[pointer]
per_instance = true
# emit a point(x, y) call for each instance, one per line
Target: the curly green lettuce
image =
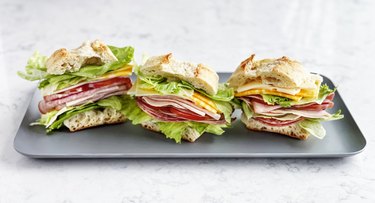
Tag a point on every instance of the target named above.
point(274, 100)
point(314, 126)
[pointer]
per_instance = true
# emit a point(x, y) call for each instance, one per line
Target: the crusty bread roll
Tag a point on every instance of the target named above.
point(282, 72)
point(89, 53)
point(94, 118)
point(200, 76)
point(190, 134)
point(293, 130)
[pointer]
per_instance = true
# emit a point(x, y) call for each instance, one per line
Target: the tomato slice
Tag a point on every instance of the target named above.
point(108, 82)
point(186, 114)
point(89, 86)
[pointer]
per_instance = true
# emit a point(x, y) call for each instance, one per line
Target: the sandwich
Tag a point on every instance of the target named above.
point(279, 96)
point(182, 100)
point(82, 87)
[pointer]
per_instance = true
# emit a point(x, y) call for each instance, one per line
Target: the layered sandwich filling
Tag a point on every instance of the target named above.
point(87, 92)
point(176, 109)
point(175, 105)
point(280, 107)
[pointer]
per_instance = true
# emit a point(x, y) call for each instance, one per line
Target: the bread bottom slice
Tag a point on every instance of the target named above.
point(293, 130)
point(189, 135)
point(94, 118)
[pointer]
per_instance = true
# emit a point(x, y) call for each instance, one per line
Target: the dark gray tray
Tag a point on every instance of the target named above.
point(127, 141)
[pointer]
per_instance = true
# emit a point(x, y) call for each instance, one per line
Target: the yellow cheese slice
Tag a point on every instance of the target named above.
point(205, 102)
point(310, 93)
point(122, 72)
point(259, 85)
point(135, 90)
point(146, 92)
point(271, 92)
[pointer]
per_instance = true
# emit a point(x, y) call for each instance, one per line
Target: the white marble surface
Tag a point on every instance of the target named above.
point(336, 38)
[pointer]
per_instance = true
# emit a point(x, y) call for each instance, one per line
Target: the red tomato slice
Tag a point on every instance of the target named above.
point(108, 82)
point(89, 86)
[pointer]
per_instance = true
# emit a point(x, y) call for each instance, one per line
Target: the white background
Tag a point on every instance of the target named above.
point(335, 38)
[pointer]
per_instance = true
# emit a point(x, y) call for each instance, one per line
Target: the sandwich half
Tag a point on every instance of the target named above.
point(82, 87)
point(278, 95)
point(179, 99)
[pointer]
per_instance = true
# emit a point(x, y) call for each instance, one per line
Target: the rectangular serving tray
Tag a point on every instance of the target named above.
point(343, 138)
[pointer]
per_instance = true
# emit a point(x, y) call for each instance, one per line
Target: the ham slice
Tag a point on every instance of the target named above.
point(93, 92)
point(275, 122)
point(164, 113)
point(95, 97)
point(261, 108)
point(309, 110)
point(168, 102)
point(315, 107)
point(303, 113)
point(156, 113)
point(186, 104)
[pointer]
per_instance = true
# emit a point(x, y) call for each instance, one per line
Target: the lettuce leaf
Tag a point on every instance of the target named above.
point(236, 103)
point(331, 117)
point(166, 88)
point(215, 129)
point(131, 110)
point(247, 110)
point(45, 118)
point(124, 54)
point(226, 108)
point(35, 68)
point(175, 130)
point(224, 92)
point(115, 102)
point(314, 127)
point(324, 91)
point(274, 100)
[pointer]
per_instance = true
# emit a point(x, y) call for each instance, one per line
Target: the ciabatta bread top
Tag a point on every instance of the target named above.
point(293, 130)
point(200, 76)
point(282, 72)
point(89, 53)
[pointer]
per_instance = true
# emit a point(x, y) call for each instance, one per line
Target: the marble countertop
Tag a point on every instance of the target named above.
point(335, 38)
